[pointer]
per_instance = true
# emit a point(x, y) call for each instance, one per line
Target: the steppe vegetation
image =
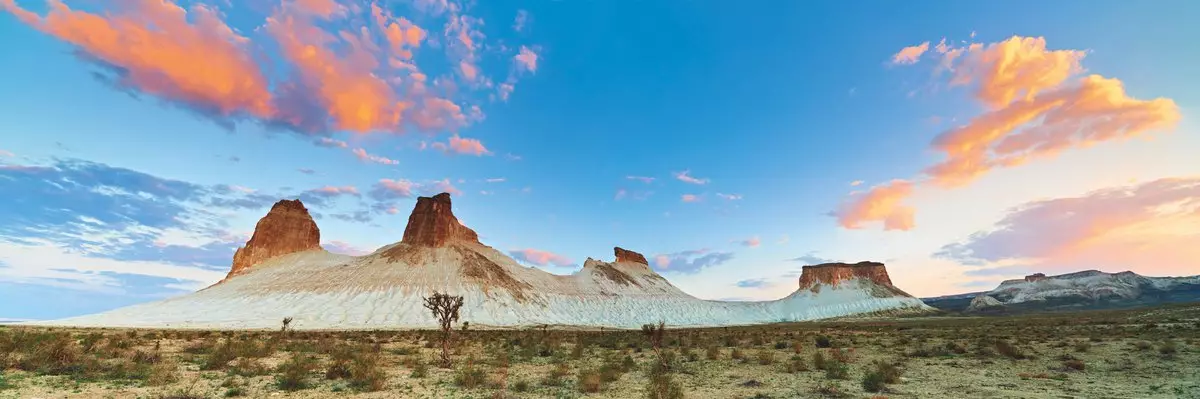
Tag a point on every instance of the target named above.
point(1143, 353)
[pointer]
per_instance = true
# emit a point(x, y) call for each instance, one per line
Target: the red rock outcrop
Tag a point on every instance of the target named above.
point(287, 228)
point(625, 255)
point(433, 224)
point(1035, 277)
point(834, 273)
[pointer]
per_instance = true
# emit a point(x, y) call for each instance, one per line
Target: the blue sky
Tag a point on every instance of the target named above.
point(778, 110)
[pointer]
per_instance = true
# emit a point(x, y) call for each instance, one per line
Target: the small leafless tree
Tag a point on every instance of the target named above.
point(445, 309)
point(287, 321)
point(655, 335)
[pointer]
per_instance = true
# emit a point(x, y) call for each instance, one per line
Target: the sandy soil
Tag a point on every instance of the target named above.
point(1151, 353)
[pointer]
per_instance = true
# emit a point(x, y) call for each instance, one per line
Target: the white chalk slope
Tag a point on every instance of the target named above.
point(383, 290)
point(1088, 285)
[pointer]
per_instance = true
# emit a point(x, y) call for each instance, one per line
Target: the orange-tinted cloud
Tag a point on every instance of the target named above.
point(882, 203)
point(202, 63)
point(1148, 228)
point(751, 242)
point(910, 54)
point(1094, 110)
point(1017, 68)
point(346, 66)
point(1036, 107)
point(362, 155)
point(690, 198)
point(467, 146)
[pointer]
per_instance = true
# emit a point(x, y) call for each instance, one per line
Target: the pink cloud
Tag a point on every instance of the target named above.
point(362, 155)
point(642, 179)
point(685, 177)
point(751, 242)
point(1147, 227)
point(393, 188)
point(527, 59)
point(910, 54)
point(689, 198)
point(467, 146)
point(335, 190)
point(541, 258)
point(6, 154)
point(444, 186)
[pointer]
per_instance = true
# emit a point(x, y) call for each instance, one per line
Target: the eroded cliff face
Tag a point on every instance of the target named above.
point(834, 273)
point(287, 228)
point(625, 255)
point(432, 224)
point(1035, 277)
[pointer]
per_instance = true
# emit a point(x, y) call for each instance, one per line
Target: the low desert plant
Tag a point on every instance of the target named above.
point(293, 373)
point(589, 381)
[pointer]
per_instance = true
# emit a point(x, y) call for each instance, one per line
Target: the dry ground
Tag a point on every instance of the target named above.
point(1148, 353)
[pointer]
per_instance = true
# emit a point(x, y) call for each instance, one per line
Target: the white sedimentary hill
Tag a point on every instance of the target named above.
point(1086, 289)
point(282, 272)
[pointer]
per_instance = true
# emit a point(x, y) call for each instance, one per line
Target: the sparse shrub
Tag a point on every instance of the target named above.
point(469, 376)
point(872, 381)
point(766, 357)
point(655, 335)
point(781, 345)
point(823, 341)
point(1168, 348)
point(736, 354)
point(520, 386)
point(1143, 345)
point(889, 371)
point(589, 381)
point(1082, 346)
point(163, 373)
point(712, 353)
point(555, 378)
point(419, 370)
point(662, 386)
point(1073, 365)
point(219, 357)
point(247, 367)
point(366, 374)
point(829, 389)
point(1008, 350)
point(293, 373)
point(795, 364)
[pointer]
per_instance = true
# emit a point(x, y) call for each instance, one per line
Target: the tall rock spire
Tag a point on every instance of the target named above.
point(432, 223)
point(287, 228)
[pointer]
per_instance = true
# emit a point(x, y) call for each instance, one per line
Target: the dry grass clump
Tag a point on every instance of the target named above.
point(293, 373)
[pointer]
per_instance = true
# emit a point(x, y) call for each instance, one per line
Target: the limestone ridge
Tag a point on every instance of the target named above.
point(287, 228)
point(834, 273)
point(432, 224)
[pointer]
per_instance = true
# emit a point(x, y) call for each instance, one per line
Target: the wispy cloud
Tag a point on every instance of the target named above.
point(643, 179)
point(751, 242)
point(1147, 227)
point(690, 198)
point(685, 176)
point(690, 261)
point(729, 197)
point(540, 257)
point(362, 155)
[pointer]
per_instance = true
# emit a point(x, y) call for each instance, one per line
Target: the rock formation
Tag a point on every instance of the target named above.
point(1035, 277)
point(287, 228)
point(625, 255)
point(433, 224)
point(833, 273)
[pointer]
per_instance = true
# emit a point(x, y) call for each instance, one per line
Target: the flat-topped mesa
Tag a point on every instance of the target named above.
point(625, 255)
point(286, 228)
point(432, 224)
point(1035, 277)
point(834, 273)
